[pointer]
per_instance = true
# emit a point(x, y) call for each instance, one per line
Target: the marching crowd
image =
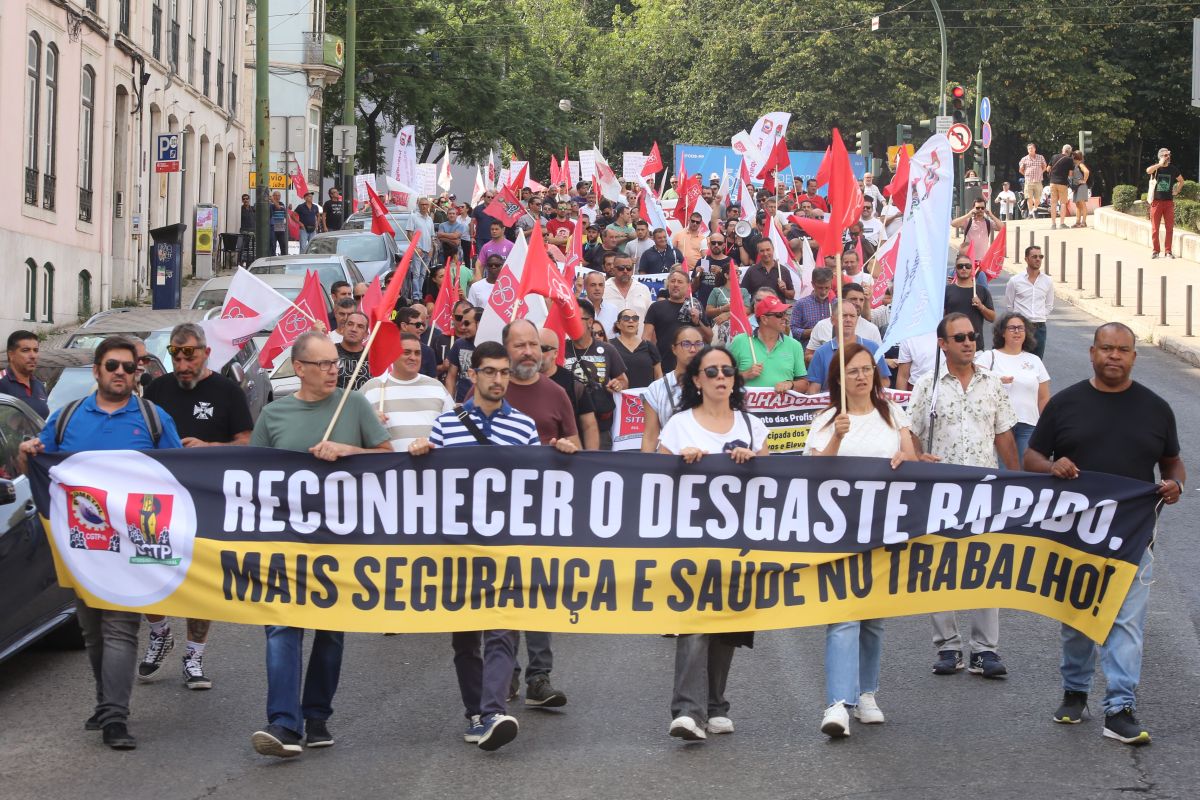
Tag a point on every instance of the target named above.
point(971, 404)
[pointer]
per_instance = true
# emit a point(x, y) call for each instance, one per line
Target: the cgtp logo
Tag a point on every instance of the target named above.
point(147, 521)
point(87, 520)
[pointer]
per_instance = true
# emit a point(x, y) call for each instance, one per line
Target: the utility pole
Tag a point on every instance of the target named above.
point(262, 129)
point(937, 10)
point(348, 105)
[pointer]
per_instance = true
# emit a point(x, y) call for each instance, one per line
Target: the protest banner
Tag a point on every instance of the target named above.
point(632, 162)
point(534, 539)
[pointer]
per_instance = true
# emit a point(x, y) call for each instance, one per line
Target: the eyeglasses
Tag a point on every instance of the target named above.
point(418, 325)
point(185, 350)
point(860, 372)
point(725, 369)
point(628, 318)
point(491, 372)
point(964, 337)
point(962, 266)
point(549, 348)
point(145, 359)
point(626, 268)
point(774, 315)
point(112, 365)
point(1015, 328)
point(690, 345)
point(324, 365)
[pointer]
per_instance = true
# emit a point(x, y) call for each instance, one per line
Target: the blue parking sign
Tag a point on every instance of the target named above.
point(166, 153)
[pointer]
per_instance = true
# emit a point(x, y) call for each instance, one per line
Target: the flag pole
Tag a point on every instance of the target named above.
point(353, 377)
point(841, 336)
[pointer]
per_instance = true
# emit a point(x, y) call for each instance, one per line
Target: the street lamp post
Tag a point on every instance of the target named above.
point(937, 10)
point(567, 106)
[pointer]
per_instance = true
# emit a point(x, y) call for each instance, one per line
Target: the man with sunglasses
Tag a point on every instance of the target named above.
point(497, 245)
point(560, 229)
point(677, 308)
point(969, 297)
point(713, 266)
point(110, 418)
point(481, 290)
point(771, 357)
point(961, 414)
point(661, 258)
point(690, 240)
point(300, 702)
point(415, 320)
point(208, 410)
point(466, 324)
point(1031, 294)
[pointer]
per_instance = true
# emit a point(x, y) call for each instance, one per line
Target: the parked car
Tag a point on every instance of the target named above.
point(212, 294)
point(67, 373)
point(35, 606)
point(330, 267)
point(373, 253)
point(401, 219)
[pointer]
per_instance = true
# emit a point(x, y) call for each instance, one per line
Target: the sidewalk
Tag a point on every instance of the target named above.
point(1164, 309)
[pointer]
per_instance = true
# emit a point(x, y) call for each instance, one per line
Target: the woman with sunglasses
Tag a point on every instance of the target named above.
point(710, 420)
point(1022, 373)
point(662, 397)
point(871, 426)
point(643, 364)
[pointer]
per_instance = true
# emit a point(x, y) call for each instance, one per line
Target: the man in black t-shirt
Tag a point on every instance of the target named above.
point(208, 410)
point(350, 350)
point(968, 296)
point(1060, 192)
point(1167, 181)
point(1110, 424)
point(333, 216)
point(678, 308)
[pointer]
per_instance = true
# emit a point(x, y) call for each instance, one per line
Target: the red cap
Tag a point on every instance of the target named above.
point(769, 305)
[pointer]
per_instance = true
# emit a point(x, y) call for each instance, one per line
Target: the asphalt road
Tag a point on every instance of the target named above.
point(398, 717)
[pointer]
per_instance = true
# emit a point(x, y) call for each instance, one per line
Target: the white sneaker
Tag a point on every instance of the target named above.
point(720, 725)
point(836, 722)
point(686, 728)
point(867, 711)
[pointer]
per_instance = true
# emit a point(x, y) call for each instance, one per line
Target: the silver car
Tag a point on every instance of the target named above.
point(373, 253)
point(330, 267)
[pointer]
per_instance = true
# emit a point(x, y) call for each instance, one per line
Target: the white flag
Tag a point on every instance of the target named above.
point(444, 176)
point(250, 296)
point(480, 187)
point(767, 131)
point(498, 310)
point(404, 156)
point(606, 180)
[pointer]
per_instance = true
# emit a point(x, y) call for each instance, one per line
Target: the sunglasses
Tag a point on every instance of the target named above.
point(112, 365)
point(626, 268)
point(491, 372)
point(962, 266)
point(714, 242)
point(459, 317)
point(549, 348)
point(418, 325)
point(727, 370)
point(694, 221)
point(775, 314)
point(629, 318)
point(964, 337)
point(185, 350)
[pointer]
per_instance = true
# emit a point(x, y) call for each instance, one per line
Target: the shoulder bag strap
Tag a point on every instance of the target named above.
point(464, 417)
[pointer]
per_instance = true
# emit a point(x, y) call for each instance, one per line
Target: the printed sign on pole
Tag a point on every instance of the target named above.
point(985, 109)
point(167, 153)
point(985, 135)
point(960, 138)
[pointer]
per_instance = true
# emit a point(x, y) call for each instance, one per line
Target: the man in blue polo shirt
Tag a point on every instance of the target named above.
point(486, 418)
point(818, 369)
point(110, 419)
point(17, 378)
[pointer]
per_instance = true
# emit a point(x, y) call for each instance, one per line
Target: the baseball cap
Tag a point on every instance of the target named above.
point(770, 305)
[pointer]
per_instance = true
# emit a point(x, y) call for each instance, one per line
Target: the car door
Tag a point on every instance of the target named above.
point(29, 590)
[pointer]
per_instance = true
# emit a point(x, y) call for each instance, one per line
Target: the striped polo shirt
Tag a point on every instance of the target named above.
point(410, 406)
point(505, 426)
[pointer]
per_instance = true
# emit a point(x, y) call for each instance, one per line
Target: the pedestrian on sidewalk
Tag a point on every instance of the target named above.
point(1060, 186)
point(1080, 175)
point(1033, 167)
point(1076, 432)
point(1165, 182)
point(1031, 294)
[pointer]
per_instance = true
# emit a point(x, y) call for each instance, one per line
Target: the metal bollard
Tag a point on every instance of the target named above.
point(1098, 295)
point(1117, 302)
point(1017, 245)
point(1187, 325)
point(1062, 260)
point(1046, 255)
point(1162, 311)
point(1139, 291)
point(1079, 272)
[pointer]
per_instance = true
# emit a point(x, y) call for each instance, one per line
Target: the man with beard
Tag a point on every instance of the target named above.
point(678, 308)
point(350, 350)
point(208, 410)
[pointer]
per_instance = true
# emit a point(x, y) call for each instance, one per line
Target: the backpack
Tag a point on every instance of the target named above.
point(149, 413)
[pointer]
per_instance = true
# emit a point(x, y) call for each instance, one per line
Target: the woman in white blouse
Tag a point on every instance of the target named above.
point(710, 421)
point(870, 426)
point(1022, 373)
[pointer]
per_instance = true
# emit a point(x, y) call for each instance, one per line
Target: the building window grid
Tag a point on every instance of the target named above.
point(124, 14)
point(85, 294)
point(173, 46)
point(51, 143)
point(33, 82)
point(156, 31)
point(220, 84)
point(47, 310)
point(191, 55)
point(204, 71)
point(87, 142)
point(31, 290)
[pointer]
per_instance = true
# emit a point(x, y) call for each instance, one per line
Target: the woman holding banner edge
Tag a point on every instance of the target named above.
point(710, 419)
point(870, 425)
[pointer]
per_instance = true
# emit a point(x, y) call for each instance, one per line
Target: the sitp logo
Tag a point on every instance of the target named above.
point(141, 501)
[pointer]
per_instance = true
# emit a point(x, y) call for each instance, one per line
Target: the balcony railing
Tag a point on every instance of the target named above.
point(85, 205)
point(31, 186)
point(48, 192)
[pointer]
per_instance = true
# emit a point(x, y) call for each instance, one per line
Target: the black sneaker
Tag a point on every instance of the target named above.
point(1121, 726)
point(193, 672)
point(987, 664)
point(316, 733)
point(948, 662)
point(514, 686)
point(539, 692)
point(118, 737)
point(93, 722)
point(276, 740)
point(156, 653)
point(1072, 708)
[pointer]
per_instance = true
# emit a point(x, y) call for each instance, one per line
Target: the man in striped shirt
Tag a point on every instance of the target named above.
point(486, 419)
point(409, 400)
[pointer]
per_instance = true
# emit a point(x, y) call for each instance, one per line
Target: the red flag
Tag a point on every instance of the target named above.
point(555, 178)
point(822, 176)
point(308, 309)
point(780, 154)
point(897, 188)
point(739, 321)
point(828, 237)
point(565, 169)
point(505, 206)
point(298, 181)
point(845, 195)
point(372, 299)
point(993, 260)
point(379, 221)
point(575, 254)
point(447, 297)
point(689, 194)
point(654, 162)
point(541, 276)
point(517, 182)
point(387, 346)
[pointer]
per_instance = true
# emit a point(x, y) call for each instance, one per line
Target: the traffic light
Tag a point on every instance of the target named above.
point(1085, 142)
point(862, 143)
point(957, 96)
point(977, 152)
point(929, 124)
point(903, 135)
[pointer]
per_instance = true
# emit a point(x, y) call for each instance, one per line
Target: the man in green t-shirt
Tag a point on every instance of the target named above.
point(771, 357)
point(298, 423)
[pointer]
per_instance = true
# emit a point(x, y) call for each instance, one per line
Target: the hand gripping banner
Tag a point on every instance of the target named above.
point(533, 539)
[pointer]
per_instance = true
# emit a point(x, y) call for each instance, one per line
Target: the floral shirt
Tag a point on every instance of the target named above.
point(966, 423)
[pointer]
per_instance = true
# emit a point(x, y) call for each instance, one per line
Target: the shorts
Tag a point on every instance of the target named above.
point(1059, 193)
point(1033, 192)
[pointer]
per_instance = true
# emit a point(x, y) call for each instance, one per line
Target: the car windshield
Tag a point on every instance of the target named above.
point(356, 248)
point(211, 298)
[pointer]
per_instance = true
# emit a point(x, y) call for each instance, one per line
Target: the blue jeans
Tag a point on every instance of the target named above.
point(1021, 433)
point(286, 705)
point(852, 654)
point(304, 237)
point(1039, 339)
point(1121, 653)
